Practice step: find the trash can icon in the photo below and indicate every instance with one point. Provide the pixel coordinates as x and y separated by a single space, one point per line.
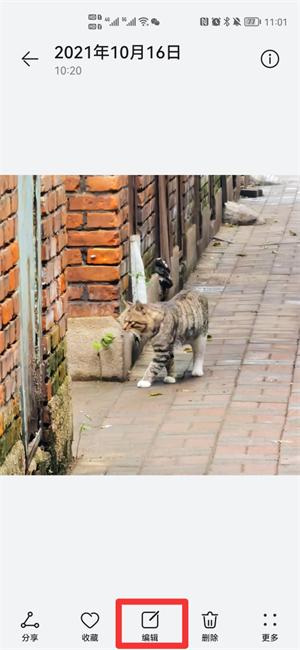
210 620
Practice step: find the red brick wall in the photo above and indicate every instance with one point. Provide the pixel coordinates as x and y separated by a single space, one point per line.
146 217
10 422
147 209
98 246
98 231
54 288
54 304
98 234
188 198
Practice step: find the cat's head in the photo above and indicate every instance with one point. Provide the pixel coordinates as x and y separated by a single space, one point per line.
141 319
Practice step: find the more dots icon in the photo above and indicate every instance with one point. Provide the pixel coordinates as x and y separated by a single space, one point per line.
274 621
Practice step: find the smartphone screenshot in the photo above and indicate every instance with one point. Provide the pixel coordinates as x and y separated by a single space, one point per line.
149 325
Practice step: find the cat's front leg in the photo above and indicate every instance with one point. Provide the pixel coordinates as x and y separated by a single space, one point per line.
171 373
148 377
161 359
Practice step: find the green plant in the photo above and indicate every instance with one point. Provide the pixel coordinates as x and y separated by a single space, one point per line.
104 343
146 276
82 428
137 275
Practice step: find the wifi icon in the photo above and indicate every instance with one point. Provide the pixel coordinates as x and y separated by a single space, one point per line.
143 20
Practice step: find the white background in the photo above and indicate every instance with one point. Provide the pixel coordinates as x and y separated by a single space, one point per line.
217 109
74 544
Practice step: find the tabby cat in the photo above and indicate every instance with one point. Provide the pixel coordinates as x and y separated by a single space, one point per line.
183 319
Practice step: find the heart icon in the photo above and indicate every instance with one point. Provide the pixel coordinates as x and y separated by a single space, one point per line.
90 619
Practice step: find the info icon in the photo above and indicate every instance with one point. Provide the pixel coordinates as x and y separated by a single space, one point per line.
270 58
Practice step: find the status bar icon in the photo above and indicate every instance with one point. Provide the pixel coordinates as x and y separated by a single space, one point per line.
252 21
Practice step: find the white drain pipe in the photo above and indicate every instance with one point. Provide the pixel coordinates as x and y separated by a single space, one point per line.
137 271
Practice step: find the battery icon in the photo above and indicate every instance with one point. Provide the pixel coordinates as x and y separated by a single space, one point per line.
252 21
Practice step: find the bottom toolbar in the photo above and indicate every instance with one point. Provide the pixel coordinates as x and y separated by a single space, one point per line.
152 623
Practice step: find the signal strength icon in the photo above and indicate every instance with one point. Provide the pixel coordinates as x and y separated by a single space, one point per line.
132 23
115 23
143 20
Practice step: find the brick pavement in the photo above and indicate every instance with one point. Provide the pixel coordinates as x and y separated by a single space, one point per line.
243 416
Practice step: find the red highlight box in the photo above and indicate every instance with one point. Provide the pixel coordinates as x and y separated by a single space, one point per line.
152 601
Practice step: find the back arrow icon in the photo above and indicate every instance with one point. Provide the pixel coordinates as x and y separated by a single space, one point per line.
27 58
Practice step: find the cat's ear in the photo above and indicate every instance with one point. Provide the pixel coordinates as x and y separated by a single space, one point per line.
140 307
127 304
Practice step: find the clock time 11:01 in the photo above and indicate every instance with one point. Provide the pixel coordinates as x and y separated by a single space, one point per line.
276 22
